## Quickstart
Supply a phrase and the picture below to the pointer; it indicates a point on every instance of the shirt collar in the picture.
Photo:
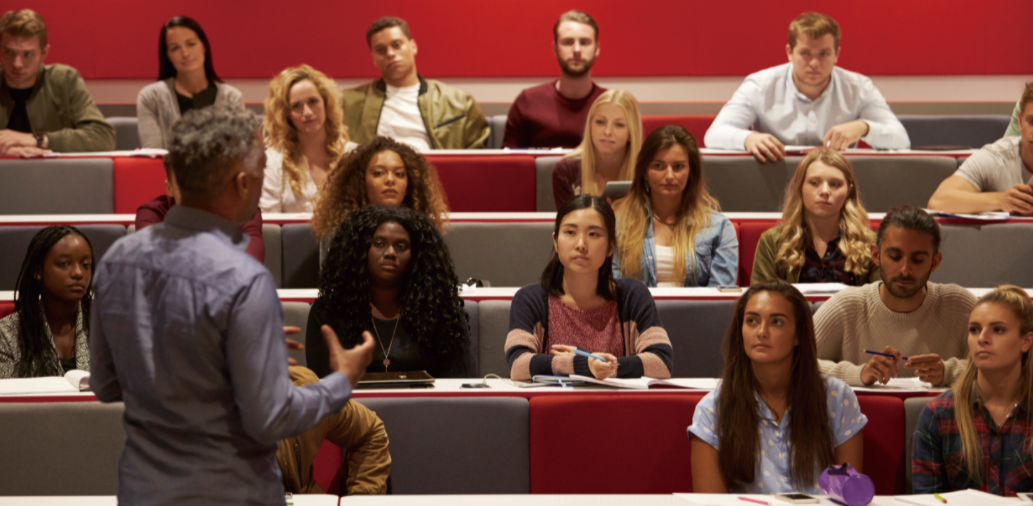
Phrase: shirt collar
(976, 401)
(203, 221)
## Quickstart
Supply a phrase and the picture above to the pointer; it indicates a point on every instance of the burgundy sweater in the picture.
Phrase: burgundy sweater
(154, 212)
(542, 118)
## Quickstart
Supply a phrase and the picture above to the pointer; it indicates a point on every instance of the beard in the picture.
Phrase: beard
(573, 72)
(903, 293)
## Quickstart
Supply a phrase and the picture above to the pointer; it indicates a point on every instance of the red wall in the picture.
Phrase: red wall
(490, 38)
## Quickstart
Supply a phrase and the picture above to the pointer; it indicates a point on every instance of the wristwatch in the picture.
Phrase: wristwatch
(39, 138)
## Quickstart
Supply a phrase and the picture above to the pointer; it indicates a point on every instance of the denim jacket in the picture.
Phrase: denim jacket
(717, 254)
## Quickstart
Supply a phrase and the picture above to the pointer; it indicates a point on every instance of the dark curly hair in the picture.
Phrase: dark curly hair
(432, 310)
(345, 187)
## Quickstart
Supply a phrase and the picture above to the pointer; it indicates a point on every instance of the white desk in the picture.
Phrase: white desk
(110, 500)
(515, 500)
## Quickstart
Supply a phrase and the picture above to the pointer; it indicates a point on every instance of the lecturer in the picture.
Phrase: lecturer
(187, 331)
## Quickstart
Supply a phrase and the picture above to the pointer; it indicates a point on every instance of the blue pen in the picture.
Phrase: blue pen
(881, 354)
(589, 355)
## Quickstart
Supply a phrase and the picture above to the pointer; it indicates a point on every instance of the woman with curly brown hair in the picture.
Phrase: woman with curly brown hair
(306, 138)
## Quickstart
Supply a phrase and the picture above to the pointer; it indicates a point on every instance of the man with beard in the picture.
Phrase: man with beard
(920, 328)
(424, 113)
(554, 114)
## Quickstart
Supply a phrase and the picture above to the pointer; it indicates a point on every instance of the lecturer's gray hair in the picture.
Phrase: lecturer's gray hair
(208, 143)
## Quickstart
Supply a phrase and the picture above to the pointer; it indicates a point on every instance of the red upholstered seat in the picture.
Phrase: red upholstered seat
(487, 183)
(328, 468)
(884, 442)
(137, 180)
(749, 236)
(6, 308)
(611, 444)
(697, 125)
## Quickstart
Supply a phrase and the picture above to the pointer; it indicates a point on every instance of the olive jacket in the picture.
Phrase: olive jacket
(765, 267)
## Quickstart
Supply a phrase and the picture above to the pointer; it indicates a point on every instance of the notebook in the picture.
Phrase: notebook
(396, 379)
(73, 381)
(642, 383)
(968, 497)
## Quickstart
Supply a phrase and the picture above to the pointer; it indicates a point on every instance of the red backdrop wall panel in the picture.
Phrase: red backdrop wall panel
(486, 38)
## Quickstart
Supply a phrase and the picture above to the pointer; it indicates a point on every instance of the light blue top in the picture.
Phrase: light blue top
(188, 331)
(772, 473)
(717, 254)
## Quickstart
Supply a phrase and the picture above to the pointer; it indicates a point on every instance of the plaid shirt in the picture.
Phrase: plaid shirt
(828, 269)
(938, 466)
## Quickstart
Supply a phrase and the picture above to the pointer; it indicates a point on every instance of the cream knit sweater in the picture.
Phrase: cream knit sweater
(856, 319)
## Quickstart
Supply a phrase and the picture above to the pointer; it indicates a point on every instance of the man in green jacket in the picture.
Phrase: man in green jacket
(43, 108)
(423, 113)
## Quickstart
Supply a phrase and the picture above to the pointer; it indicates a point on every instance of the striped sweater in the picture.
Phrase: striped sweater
(646, 344)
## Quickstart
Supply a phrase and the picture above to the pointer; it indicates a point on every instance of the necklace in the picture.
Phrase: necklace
(658, 220)
(387, 361)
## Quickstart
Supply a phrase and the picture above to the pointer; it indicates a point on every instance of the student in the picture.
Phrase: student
(775, 422)
(613, 136)
(552, 114)
(186, 80)
(670, 232)
(824, 235)
(155, 210)
(586, 308)
(808, 101)
(985, 441)
(47, 335)
(996, 177)
(423, 113)
(305, 138)
(389, 272)
(903, 316)
(43, 108)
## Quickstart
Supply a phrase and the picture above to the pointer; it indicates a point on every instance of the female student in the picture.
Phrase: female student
(986, 441)
(186, 80)
(613, 136)
(775, 422)
(305, 136)
(579, 305)
(47, 333)
(389, 272)
(824, 235)
(670, 232)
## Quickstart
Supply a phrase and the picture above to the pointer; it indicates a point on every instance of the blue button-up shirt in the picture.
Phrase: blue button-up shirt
(187, 330)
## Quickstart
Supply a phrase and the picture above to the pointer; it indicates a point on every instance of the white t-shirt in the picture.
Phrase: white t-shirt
(996, 167)
(277, 194)
(401, 120)
(665, 267)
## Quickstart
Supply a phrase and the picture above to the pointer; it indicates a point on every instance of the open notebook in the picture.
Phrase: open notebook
(644, 383)
(968, 497)
(73, 381)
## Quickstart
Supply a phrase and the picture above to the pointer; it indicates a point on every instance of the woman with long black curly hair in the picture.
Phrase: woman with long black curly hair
(390, 273)
(47, 335)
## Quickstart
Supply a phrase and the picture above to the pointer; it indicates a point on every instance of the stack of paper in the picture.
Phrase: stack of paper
(960, 498)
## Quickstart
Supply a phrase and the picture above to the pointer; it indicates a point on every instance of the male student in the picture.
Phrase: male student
(995, 178)
(554, 114)
(903, 316)
(808, 101)
(43, 108)
(424, 113)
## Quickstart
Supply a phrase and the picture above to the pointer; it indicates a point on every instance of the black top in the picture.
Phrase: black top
(19, 121)
(405, 353)
(204, 98)
(68, 364)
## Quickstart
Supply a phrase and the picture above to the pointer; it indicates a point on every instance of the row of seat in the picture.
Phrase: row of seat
(472, 182)
(923, 130)
(437, 444)
(513, 253)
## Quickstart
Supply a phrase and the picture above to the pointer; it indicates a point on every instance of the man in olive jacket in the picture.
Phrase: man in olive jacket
(423, 113)
(43, 107)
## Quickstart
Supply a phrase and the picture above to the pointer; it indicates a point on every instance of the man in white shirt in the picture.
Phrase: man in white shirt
(807, 102)
(997, 177)
(423, 113)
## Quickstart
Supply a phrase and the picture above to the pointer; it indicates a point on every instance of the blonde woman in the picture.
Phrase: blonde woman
(306, 138)
(824, 235)
(984, 441)
(608, 150)
(670, 231)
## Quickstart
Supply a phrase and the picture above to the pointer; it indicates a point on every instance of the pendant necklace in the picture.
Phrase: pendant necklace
(387, 351)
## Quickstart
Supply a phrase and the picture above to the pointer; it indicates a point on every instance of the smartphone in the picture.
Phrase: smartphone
(797, 498)
(616, 189)
(729, 288)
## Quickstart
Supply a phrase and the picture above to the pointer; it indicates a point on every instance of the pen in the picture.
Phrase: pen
(747, 499)
(881, 354)
(940, 498)
(589, 355)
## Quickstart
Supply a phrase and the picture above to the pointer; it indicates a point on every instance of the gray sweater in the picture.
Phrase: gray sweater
(157, 110)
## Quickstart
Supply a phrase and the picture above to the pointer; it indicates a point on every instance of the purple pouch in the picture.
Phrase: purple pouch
(844, 485)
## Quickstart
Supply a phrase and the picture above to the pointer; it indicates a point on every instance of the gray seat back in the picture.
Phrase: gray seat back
(494, 326)
(61, 448)
(127, 136)
(295, 314)
(742, 184)
(885, 182)
(14, 243)
(57, 186)
(973, 131)
(986, 256)
(497, 126)
(912, 410)
(300, 256)
(696, 330)
(473, 368)
(513, 254)
(273, 252)
(543, 196)
(473, 445)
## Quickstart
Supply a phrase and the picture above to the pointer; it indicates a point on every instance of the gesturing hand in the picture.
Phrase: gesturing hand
(929, 368)
(351, 363)
(879, 368)
(292, 344)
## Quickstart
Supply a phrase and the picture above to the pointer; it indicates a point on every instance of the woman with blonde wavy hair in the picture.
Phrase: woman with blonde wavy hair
(306, 137)
(613, 133)
(824, 235)
(670, 230)
(983, 441)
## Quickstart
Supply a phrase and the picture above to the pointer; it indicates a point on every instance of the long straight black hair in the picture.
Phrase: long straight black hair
(32, 335)
(165, 67)
(552, 276)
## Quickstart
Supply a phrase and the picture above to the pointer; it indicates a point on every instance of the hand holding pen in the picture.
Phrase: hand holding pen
(882, 367)
(602, 365)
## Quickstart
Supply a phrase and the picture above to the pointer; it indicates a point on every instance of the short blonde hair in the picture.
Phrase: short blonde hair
(24, 23)
(815, 25)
